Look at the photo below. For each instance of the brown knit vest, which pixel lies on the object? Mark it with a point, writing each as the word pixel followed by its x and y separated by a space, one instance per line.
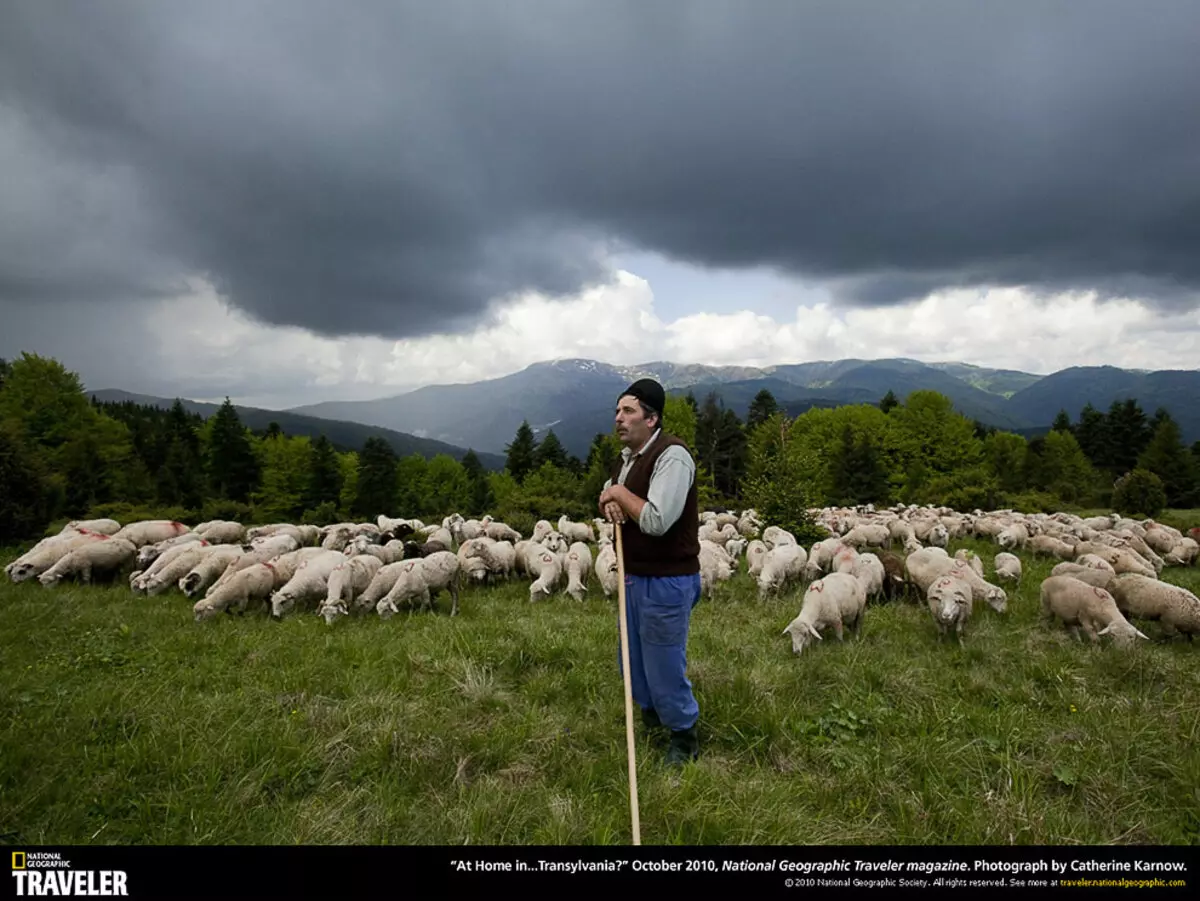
pixel 677 553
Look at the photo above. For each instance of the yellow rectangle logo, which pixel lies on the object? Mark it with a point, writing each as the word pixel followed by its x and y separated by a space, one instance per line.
pixel 18 860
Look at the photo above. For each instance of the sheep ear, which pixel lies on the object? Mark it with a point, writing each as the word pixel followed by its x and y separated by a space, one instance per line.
pixel 815 634
pixel 1105 630
pixel 1140 635
pixel 787 631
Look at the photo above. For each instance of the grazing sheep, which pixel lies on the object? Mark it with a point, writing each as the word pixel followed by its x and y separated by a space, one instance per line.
pixel 151 531
pixel 309 583
pixel 47 553
pixel 164 560
pixel 575 531
pixel 383 582
pixel 606 568
pixel 821 557
pixel 928 564
pixel 221 531
pixel 167 576
pixel 347 581
pixel 1078 605
pixel 783 565
pixel 1184 553
pixel 1122 561
pixel 867 535
pixel 971 559
pixel 106 557
pixel 102 526
pixel 547 567
pixel 1143 598
pixel 773 536
pixel 1015 536
pixel 950 603
pixel 894 584
pixel 1008 567
pixel 868 569
pixel 837 600
pixel 715 566
pixel 498 531
pixel 210 568
pixel 939 536
pixel 255 583
pixel 1048 546
pixel 147 554
pixel 579 568
pixel 422 579
pixel 756 553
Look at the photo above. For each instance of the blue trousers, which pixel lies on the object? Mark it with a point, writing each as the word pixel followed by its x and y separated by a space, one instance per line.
pixel 658 611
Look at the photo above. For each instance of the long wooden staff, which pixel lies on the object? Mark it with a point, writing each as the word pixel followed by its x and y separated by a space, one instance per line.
pixel 633 789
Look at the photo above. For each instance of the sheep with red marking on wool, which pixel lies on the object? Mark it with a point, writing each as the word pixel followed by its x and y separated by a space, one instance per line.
pixel 309 583
pixel 151 531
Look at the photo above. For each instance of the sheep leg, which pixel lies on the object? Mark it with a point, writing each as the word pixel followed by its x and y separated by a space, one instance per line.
pixel 837 628
pixel 454 599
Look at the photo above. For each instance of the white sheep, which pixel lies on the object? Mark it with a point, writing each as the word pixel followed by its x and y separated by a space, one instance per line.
pixel 426 577
pixel 579 569
pixel 575 531
pixel 108 556
pixel 756 553
pixel 221 531
pixel 837 600
pixel 164 560
pixel 1015 536
pixel 151 531
pixel 148 553
pixel 48 552
pixel 271 547
pixel 548 568
pixel 309 583
pixel 1008 567
pixel 950 602
pixel 1093 576
pixel 606 568
pixel 255 583
pixel 1078 605
pixel 1143 598
pixel 773 536
pixel 383 582
pixel 1184 553
pixel 103 526
pixel 498 531
pixel 867 535
pixel 165 577
pixel 209 569
pixel 347 581
pixel 868 569
pixel 927 565
pixel 1122 560
pixel 782 566
pixel 715 566
pixel 1050 546
pixel 972 559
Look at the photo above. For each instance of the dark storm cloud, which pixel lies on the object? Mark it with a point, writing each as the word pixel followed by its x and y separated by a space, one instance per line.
pixel 391 167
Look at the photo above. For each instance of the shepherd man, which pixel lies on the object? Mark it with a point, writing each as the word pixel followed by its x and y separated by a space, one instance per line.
pixel 651 498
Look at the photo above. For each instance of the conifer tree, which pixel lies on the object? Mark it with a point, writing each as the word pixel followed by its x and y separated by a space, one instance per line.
pixel 232 468
pixel 520 455
pixel 377 482
pixel 762 408
pixel 324 475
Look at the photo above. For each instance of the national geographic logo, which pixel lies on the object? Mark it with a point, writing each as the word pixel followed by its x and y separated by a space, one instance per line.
pixel 42 873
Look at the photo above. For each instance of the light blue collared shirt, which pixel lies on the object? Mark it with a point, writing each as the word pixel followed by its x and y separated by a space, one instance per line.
pixel 674 471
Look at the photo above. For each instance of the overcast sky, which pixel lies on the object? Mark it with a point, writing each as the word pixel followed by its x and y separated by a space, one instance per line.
pixel 296 201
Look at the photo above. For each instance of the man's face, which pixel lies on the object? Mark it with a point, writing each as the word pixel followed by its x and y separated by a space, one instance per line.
pixel 632 428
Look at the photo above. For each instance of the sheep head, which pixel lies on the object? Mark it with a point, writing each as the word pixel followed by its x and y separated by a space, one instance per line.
pixel 1124 633
pixel 803 634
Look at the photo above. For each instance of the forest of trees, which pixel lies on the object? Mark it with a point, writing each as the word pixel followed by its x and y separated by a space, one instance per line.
pixel 63 456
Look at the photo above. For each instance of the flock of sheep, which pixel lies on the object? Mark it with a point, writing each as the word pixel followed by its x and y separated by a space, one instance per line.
pixel 1108 571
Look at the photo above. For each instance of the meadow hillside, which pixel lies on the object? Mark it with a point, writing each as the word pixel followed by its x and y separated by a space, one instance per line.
pixel 131 723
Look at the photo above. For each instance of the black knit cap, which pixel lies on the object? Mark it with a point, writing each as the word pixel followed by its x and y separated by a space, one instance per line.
pixel 648 392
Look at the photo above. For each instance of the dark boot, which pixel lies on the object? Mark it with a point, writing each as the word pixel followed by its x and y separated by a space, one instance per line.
pixel 650 718
pixel 685 746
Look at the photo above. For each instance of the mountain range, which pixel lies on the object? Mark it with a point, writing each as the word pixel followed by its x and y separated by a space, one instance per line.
pixel 342 435
pixel 576 398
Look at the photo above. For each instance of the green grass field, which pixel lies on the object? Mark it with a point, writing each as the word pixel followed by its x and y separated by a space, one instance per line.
pixel 127 722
